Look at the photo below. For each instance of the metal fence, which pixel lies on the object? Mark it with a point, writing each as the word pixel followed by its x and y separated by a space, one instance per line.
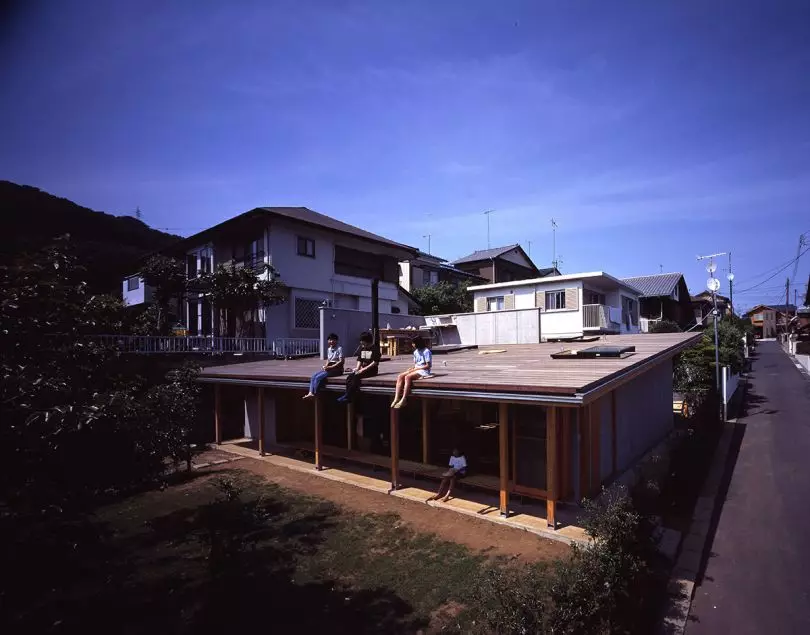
pixel 152 344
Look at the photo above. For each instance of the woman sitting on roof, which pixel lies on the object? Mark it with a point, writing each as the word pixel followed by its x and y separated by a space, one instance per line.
pixel 422 363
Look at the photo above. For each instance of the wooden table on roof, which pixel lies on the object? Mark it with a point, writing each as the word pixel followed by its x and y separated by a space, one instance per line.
pixel 398 341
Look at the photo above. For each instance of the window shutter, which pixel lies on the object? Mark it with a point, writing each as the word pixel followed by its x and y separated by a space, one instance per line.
pixel 540 299
pixel 572 298
pixel 480 305
pixel 509 302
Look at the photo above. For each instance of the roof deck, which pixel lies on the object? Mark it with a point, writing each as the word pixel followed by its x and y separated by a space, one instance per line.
pixel 524 372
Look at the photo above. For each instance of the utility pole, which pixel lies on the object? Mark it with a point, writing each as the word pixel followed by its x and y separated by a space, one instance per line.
pixel 530 248
pixel 487 213
pixel 713 284
pixel 730 277
pixel 553 243
pixel 787 302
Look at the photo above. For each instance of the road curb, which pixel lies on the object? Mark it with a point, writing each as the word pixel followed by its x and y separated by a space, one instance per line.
pixel 682 581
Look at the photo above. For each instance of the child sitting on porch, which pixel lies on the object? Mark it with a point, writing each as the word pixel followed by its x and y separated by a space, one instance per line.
pixel 457 471
pixel 422 363
pixel 368 363
pixel 332 368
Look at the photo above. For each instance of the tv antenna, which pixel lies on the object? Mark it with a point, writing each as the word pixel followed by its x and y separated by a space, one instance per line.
pixel 487 213
pixel 555 262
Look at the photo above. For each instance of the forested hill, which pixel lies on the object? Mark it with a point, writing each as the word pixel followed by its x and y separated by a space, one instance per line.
pixel 110 247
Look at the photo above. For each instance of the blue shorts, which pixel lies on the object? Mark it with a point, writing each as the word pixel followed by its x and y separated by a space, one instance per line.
pixel 424 373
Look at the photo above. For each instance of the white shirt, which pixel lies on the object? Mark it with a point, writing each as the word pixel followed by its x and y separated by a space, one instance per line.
pixel 458 463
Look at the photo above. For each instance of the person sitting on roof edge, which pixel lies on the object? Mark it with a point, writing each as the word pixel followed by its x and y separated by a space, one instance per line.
pixel 368 364
pixel 422 363
pixel 332 368
pixel 457 471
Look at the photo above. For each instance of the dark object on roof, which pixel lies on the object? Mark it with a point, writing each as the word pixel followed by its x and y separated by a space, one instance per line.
pixel 548 271
pixel 660 284
pixel 596 351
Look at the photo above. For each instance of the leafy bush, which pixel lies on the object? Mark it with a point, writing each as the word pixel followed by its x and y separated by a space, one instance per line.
pixel 664 326
pixel 599 590
pixel 443 297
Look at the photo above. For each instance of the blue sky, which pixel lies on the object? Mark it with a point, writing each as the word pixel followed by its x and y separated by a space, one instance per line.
pixel 652 131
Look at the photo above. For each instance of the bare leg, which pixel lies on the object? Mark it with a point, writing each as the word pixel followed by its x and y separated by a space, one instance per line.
pixel 444 484
pixel 406 389
pixel 398 389
pixel 450 488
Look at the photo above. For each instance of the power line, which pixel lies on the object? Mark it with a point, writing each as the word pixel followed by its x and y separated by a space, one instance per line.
pixel 776 273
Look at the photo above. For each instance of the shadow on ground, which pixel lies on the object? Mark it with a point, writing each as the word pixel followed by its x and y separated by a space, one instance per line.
pixel 206 567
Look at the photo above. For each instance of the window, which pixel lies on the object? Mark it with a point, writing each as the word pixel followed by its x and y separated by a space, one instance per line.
pixel 133 283
pixel 306 247
pixel 191 265
pixel 395 310
pixel 594 297
pixel 307 313
pixel 434 277
pixel 495 304
pixel 205 260
pixel 362 264
pixel 555 300
pixel 629 308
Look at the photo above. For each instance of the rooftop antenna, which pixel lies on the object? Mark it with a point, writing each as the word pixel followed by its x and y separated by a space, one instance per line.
pixel 138 213
pixel 660 268
pixel 487 213
pixel 530 247
pixel 554 261
pixel 428 237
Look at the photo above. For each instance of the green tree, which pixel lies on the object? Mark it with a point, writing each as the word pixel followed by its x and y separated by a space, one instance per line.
pixel 665 326
pixel 444 297
pixel 167 277
pixel 239 292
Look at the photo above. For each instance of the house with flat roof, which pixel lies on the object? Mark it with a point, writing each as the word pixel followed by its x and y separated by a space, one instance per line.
pixel 558 307
pixel 502 264
pixel 663 296
pixel 533 420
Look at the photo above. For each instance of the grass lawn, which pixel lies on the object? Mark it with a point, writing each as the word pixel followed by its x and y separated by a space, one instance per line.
pixel 178 561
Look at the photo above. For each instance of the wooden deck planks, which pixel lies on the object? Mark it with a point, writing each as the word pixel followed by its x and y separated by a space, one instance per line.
pixel 521 368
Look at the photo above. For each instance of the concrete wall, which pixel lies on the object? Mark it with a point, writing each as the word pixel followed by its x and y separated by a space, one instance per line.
pixel 643 414
pixel 519 326
pixel 348 325
pixel 804 361
pixel 252 416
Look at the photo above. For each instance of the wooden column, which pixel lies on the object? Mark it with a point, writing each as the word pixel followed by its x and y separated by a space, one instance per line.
pixel 318 432
pixel 585 452
pixel 425 431
pixel 596 447
pixel 217 414
pixel 261 419
pixel 503 452
pixel 394 449
pixel 350 426
pixel 613 440
pixel 564 415
pixel 552 466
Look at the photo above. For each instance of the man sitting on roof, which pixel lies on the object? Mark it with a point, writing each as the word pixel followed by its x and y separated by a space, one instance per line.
pixel 368 365
pixel 422 363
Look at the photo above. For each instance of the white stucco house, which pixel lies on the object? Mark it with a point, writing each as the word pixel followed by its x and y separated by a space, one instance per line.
pixel 322 261
pixel 554 307
pixel 135 291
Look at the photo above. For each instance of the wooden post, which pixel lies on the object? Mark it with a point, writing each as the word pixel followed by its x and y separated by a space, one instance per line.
pixel 318 432
pixel 261 420
pixel 217 414
pixel 394 449
pixel 596 447
pixel 564 415
pixel 503 451
pixel 552 467
pixel 350 426
pixel 585 452
pixel 614 442
pixel 425 431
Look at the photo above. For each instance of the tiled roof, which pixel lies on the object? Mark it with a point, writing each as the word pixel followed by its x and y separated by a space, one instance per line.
pixel 659 284
pixel 547 271
pixel 485 254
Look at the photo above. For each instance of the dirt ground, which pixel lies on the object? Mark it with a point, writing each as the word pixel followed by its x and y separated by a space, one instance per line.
pixel 478 535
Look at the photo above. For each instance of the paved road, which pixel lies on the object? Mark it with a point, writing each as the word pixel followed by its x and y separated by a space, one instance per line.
pixel 758 574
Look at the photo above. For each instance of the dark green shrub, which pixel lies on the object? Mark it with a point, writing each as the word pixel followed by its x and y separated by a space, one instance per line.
pixel 664 326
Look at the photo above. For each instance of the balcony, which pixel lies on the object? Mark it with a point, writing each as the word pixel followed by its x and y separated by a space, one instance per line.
pixel 597 317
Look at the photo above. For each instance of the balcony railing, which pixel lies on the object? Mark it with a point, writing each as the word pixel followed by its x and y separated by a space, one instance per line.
pixel 155 344
pixel 594 316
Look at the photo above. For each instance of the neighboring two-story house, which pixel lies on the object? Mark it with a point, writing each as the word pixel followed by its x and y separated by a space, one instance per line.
pixel 321 260
pixel 565 306
pixel 502 264
pixel 664 296
pixel 425 270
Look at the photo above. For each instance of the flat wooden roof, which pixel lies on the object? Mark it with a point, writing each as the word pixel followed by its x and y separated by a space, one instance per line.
pixel 526 369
